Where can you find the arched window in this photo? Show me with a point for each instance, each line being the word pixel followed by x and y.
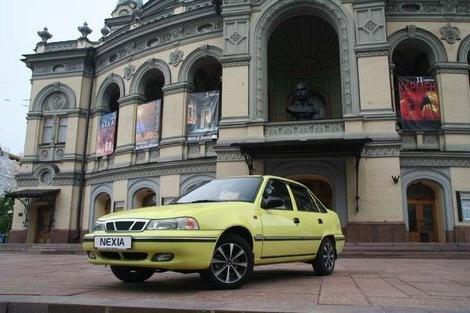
pixel 102 205
pixel 304 76
pixel 145 197
pixel 207 74
pixel 151 84
pixel 110 103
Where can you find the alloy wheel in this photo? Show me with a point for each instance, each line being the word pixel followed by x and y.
pixel 229 263
pixel 328 256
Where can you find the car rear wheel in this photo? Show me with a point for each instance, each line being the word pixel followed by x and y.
pixel 231 264
pixel 132 274
pixel 324 263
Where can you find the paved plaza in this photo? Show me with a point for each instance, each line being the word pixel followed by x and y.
pixel 357 285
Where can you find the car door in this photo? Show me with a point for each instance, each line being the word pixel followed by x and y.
pixel 311 224
pixel 280 227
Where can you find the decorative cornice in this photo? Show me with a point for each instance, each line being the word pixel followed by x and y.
pixel 159 38
pixel 372 50
pixel 152 170
pixel 228 154
pixel 131 99
pixel 450 68
pixel 442 9
pixel 233 61
pixel 177 88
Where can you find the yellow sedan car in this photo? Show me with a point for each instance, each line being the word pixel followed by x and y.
pixel 221 229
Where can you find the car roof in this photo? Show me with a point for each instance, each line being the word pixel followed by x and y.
pixel 266 177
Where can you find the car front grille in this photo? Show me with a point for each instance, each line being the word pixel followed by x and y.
pixel 126 225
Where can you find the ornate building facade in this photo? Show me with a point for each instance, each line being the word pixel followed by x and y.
pixel 365 101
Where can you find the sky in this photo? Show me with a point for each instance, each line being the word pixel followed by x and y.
pixel 20 20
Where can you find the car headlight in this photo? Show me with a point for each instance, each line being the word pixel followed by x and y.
pixel 173 223
pixel 99 226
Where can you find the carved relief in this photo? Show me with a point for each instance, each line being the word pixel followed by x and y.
pixel 236 37
pixel 370 26
pixel 129 71
pixel 450 33
pixel 55 102
pixel 176 57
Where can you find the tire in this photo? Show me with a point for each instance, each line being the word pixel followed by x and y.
pixel 324 263
pixel 132 274
pixel 231 265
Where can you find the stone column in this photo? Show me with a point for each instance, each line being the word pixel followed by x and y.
pixel 125 145
pixel 454 96
pixel 173 127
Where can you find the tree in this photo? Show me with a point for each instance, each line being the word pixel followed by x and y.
pixel 6 206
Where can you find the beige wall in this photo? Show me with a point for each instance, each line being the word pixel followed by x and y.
pixel 169 186
pixel 380 198
pixel 460 182
pixel 235 91
pixel 374 83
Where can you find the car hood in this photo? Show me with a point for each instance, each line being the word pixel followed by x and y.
pixel 176 210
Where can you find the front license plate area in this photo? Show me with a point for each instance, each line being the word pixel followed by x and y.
pixel 113 243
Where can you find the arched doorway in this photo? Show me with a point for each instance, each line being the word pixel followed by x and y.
pixel 425 218
pixel 145 197
pixel 102 205
pixel 304 70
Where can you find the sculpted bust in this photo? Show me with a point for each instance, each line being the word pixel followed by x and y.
pixel 306 106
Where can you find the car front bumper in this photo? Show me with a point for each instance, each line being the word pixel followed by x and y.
pixel 190 250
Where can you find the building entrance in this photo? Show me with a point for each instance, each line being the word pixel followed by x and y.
pixel 422 216
pixel 43 224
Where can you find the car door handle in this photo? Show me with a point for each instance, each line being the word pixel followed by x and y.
pixel 296 220
pixel 320 221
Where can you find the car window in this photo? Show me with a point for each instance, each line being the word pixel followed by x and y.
pixel 303 199
pixel 277 188
pixel 321 207
pixel 220 190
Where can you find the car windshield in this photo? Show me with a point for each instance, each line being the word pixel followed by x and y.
pixel 222 190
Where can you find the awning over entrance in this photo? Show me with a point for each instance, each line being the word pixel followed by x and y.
pixel 303 148
pixel 41 194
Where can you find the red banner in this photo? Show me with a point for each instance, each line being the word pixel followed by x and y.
pixel 419 103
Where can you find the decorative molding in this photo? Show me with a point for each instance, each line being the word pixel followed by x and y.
pixel 159 38
pixel 176 57
pixel 464 50
pixel 54 68
pixel 372 51
pixel 381 151
pixel 151 170
pixel 370 23
pixel 112 78
pixel 136 84
pixel 233 61
pixel 177 88
pixel 129 71
pixel 428 8
pixel 407 161
pixel 186 72
pixel 55 97
pixel 338 17
pixel 296 129
pixel 450 33
pixel 229 155
pixel 429 42
pixel 450 68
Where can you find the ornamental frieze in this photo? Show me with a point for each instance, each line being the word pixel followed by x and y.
pixel 158 39
pixel 296 130
pixel 428 7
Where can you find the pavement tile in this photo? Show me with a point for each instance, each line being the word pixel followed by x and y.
pixel 405 287
pixel 377 287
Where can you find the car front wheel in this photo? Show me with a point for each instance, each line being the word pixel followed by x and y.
pixel 231 264
pixel 132 274
pixel 324 263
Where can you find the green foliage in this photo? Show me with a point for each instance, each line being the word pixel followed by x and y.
pixel 6 205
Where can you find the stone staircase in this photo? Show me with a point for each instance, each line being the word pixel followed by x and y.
pixel 403 250
pixel 407 250
pixel 52 248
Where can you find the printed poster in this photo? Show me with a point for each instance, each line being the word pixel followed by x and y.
pixel 147 130
pixel 202 122
pixel 106 134
pixel 419 103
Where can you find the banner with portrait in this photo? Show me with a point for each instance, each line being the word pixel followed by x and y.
pixel 419 103
pixel 147 128
pixel 106 134
pixel 202 122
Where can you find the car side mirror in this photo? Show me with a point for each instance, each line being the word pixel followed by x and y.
pixel 272 202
